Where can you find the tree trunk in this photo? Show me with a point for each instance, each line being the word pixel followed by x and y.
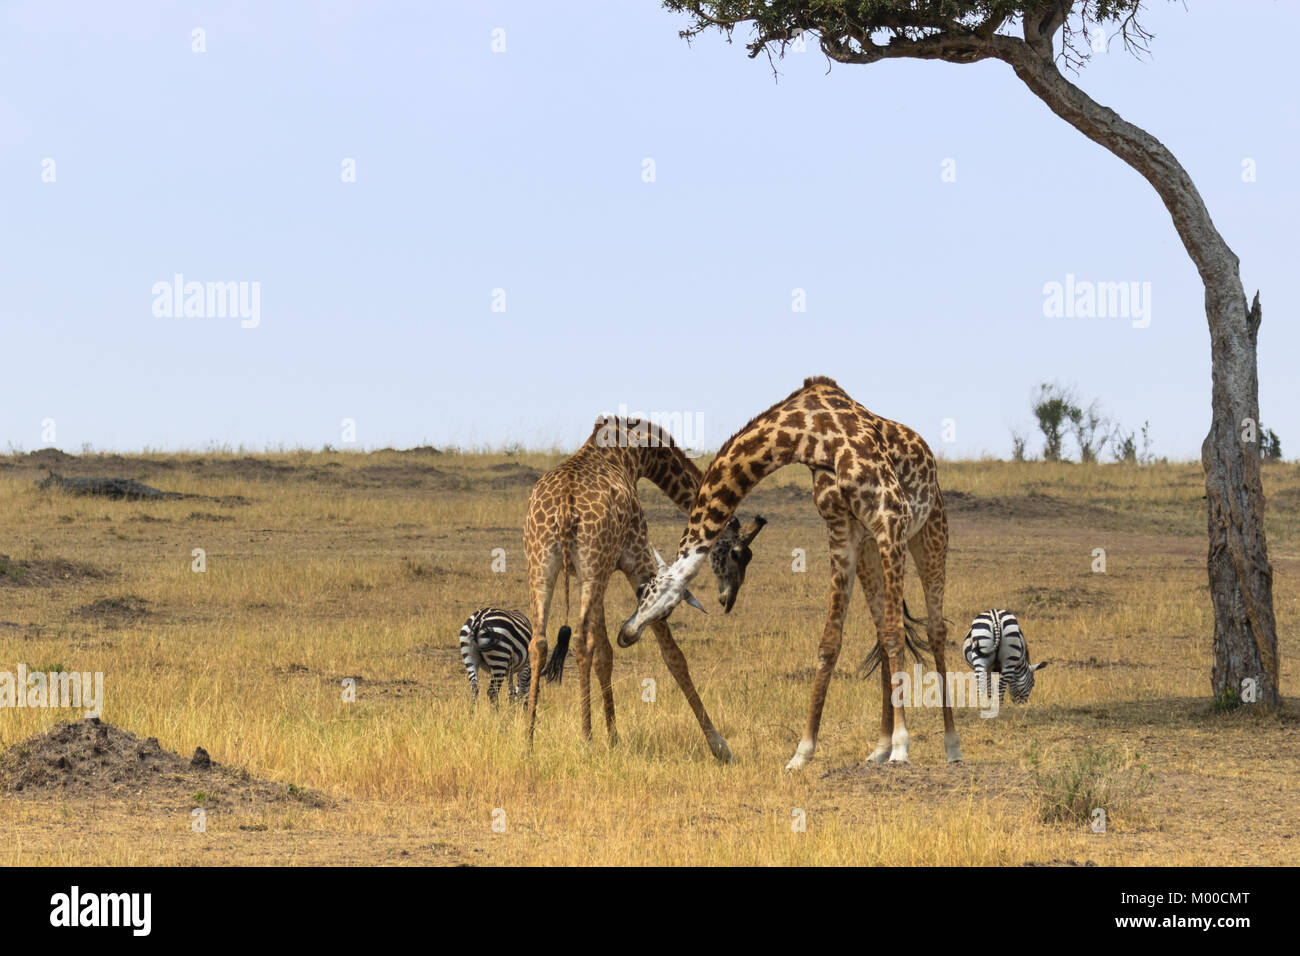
pixel 1241 578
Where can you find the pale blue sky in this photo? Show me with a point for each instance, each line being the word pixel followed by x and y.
pixel 522 170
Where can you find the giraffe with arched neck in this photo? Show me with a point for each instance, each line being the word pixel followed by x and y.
pixel 585 518
pixel 875 483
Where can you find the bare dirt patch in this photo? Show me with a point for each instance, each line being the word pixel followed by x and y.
pixel 96 761
pixel 43 458
pixel 119 611
pixel 1033 506
pixel 406 475
pixel 117 488
pixel 417 450
pixel 45 572
pixel 1058 599
pixel 512 475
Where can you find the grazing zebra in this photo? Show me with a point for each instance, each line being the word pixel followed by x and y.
pixel 995 644
pixel 498 641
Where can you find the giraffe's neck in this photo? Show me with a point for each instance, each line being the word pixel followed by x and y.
pixel 673 473
pixel 785 435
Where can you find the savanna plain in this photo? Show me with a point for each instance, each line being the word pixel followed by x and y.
pixel 320 567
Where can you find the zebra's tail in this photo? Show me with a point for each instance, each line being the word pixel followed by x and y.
pixel 554 669
pixel 911 642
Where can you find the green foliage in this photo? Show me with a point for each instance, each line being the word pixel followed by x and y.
pixel 1105 778
pixel 898 22
pixel 1086 423
pixel 1227 700
pixel 13 572
pixel 1017 446
pixel 1124 448
pixel 1054 408
pixel 1270 446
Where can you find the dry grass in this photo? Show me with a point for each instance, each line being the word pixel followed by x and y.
pixel 346 565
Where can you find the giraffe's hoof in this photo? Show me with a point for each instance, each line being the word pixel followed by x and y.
pixel 720 749
pixel 899 761
pixel 879 755
pixel 802 754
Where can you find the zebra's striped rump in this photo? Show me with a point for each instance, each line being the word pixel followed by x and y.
pixel 996 645
pixel 497 641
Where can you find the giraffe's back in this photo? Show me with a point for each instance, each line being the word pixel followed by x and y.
pixel 874 437
pixel 586 502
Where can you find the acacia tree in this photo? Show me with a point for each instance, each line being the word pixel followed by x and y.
pixel 1024 35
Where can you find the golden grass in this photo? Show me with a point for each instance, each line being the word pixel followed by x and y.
pixel 364 566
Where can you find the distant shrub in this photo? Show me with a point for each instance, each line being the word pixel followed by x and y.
pixel 1054 408
pixel 1270 446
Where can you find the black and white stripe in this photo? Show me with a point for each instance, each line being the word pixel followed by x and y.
pixel 996 645
pixel 497 641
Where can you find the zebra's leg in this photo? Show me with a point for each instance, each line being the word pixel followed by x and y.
pixel 520 681
pixel 473 683
pixel 494 685
pixel 845 536
pixel 929 549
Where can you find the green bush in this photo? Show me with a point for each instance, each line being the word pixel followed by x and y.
pixel 1070 789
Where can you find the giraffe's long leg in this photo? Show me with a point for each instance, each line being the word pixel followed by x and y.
pixel 845 536
pixel 638 570
pixel 676 661
pixel 930 553
pixel 890 543
pixel 872 579
pixel 874 496
pixel 604 660
pixel 593 596
pixel 541 586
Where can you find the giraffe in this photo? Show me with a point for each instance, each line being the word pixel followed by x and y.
pixel 584 516
pixel 875 485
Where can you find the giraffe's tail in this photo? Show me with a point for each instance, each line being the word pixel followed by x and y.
pixel 554 670
pixel 911 642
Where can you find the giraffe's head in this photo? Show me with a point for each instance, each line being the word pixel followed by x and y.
pixel 731 556
pixel 656 598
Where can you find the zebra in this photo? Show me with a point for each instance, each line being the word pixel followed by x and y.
pixel 995 644
pixel 498 641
